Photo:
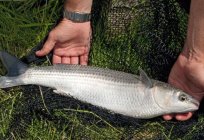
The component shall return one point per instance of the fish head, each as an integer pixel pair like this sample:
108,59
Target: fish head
173,100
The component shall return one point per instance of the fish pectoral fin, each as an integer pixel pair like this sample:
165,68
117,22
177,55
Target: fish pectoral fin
61,92
145,79
57,91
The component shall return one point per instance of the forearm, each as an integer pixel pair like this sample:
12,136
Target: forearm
78,5
195,35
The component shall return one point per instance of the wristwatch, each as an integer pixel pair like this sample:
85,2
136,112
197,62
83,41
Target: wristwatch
77,16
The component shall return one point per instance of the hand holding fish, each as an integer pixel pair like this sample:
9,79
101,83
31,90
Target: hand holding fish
188,71
70,40
70,43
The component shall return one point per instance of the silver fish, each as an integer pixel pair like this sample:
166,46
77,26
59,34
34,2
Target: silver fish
119,92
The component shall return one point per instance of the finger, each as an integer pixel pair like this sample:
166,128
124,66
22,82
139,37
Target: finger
168,117
48,46
84,59
56,59
74,60
184,116
71,52
66,60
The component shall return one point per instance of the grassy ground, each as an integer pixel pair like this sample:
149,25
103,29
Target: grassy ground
152,41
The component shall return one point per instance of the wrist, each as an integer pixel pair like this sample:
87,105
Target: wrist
80,6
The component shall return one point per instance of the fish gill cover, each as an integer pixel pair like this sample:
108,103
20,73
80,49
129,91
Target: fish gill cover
127,34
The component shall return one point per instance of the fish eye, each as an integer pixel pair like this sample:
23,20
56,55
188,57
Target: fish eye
182,97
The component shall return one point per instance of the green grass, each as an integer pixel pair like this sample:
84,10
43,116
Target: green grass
28,114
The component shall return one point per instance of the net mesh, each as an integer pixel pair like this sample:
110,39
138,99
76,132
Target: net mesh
127,34
149,34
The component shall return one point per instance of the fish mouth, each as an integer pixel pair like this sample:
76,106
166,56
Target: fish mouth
195,106
195,102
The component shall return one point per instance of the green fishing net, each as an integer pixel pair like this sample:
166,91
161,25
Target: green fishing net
127,34
149,34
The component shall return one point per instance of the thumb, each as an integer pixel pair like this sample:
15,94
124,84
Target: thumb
47,48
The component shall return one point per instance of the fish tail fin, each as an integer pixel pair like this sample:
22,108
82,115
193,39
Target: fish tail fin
14,69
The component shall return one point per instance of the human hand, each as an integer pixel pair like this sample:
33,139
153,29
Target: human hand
188,71
70,43
187,75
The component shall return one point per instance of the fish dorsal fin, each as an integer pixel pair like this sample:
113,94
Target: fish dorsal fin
145,79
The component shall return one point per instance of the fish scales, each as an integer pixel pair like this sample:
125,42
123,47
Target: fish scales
106,88
108,74
118,92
